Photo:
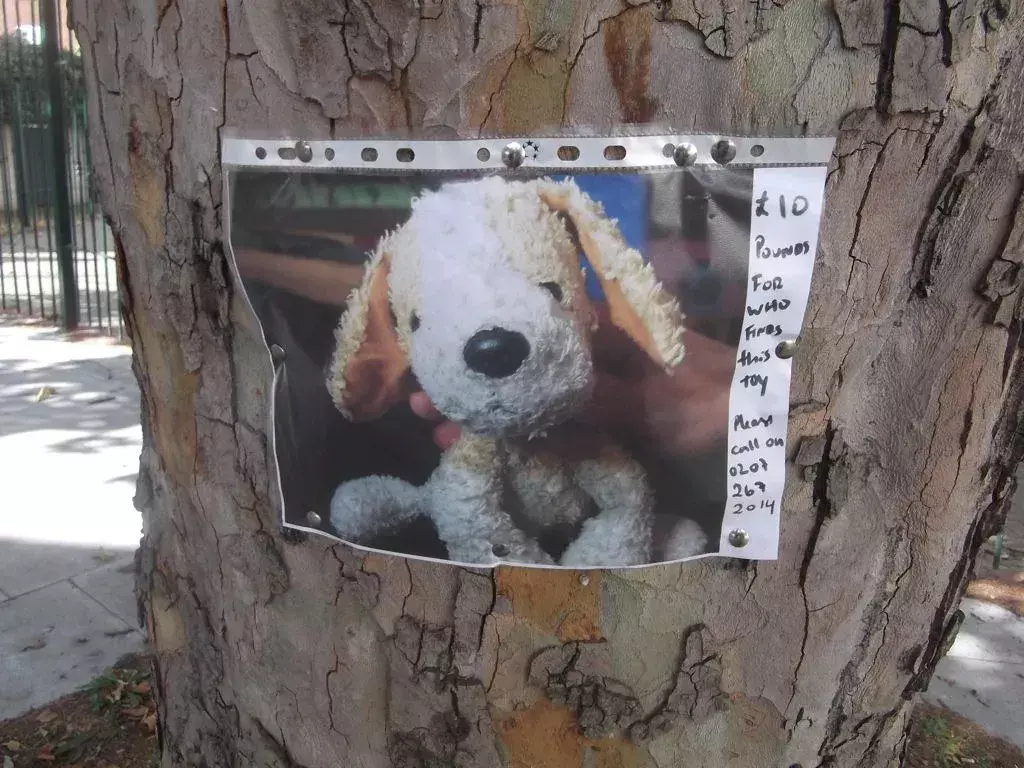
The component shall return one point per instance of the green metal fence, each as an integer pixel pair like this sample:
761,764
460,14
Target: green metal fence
56,259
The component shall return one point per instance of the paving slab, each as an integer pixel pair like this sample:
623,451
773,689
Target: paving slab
26,566
53,641
113,586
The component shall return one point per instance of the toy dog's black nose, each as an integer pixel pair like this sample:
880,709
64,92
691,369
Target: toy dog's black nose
496,352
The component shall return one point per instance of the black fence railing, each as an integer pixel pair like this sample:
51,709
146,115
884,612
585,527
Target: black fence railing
56,259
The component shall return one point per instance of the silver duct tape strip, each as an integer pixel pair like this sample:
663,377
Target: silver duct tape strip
547,154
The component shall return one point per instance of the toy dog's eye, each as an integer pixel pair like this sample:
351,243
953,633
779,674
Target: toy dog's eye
414,322
554,289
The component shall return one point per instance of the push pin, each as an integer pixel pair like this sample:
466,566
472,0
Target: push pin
500,550
513,155
739,538
786,349
685,155
313,519
724,151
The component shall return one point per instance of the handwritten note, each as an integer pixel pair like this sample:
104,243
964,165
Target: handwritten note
785,214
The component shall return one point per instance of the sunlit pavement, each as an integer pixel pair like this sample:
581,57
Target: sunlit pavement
69,451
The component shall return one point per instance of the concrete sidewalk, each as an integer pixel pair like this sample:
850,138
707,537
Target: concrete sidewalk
69,454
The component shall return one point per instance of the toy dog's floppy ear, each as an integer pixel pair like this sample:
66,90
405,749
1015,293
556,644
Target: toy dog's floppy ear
637,303
368,373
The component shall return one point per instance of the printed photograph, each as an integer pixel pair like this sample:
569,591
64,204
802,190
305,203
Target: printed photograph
500,369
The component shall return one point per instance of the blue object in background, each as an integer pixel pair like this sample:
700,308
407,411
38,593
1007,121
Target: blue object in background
624,198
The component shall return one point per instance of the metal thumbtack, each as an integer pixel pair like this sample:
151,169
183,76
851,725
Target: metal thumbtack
786,349
513,154
303,151
277,354
738,537
584,579
313,519
685,154
724,151
499,550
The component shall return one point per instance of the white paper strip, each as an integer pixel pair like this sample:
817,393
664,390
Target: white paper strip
785,215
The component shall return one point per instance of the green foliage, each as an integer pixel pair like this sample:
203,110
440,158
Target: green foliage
24,89
951,748
117,687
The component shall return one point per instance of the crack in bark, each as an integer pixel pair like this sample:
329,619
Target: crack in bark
408,571
477,19
752,568
946,193
937,128
500,88
849,679
330,696
885,608
696,691
887,56
823,511
81,32
945,13
814,59
965,431
854,239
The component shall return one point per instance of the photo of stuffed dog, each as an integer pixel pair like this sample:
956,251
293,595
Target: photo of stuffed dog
583,399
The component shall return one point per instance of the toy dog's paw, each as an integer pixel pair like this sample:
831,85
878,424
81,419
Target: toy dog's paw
611,540
584,554
687,539
371,506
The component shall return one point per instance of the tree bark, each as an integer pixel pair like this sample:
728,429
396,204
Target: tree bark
284,650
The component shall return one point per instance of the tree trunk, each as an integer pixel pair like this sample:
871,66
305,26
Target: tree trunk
284,650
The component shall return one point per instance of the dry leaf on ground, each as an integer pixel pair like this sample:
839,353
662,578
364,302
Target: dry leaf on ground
45,393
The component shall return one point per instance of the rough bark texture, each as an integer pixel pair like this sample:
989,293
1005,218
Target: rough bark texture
273,650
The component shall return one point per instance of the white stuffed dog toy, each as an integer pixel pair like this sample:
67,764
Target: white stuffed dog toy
481,295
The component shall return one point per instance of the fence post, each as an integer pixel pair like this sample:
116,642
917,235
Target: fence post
61,194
